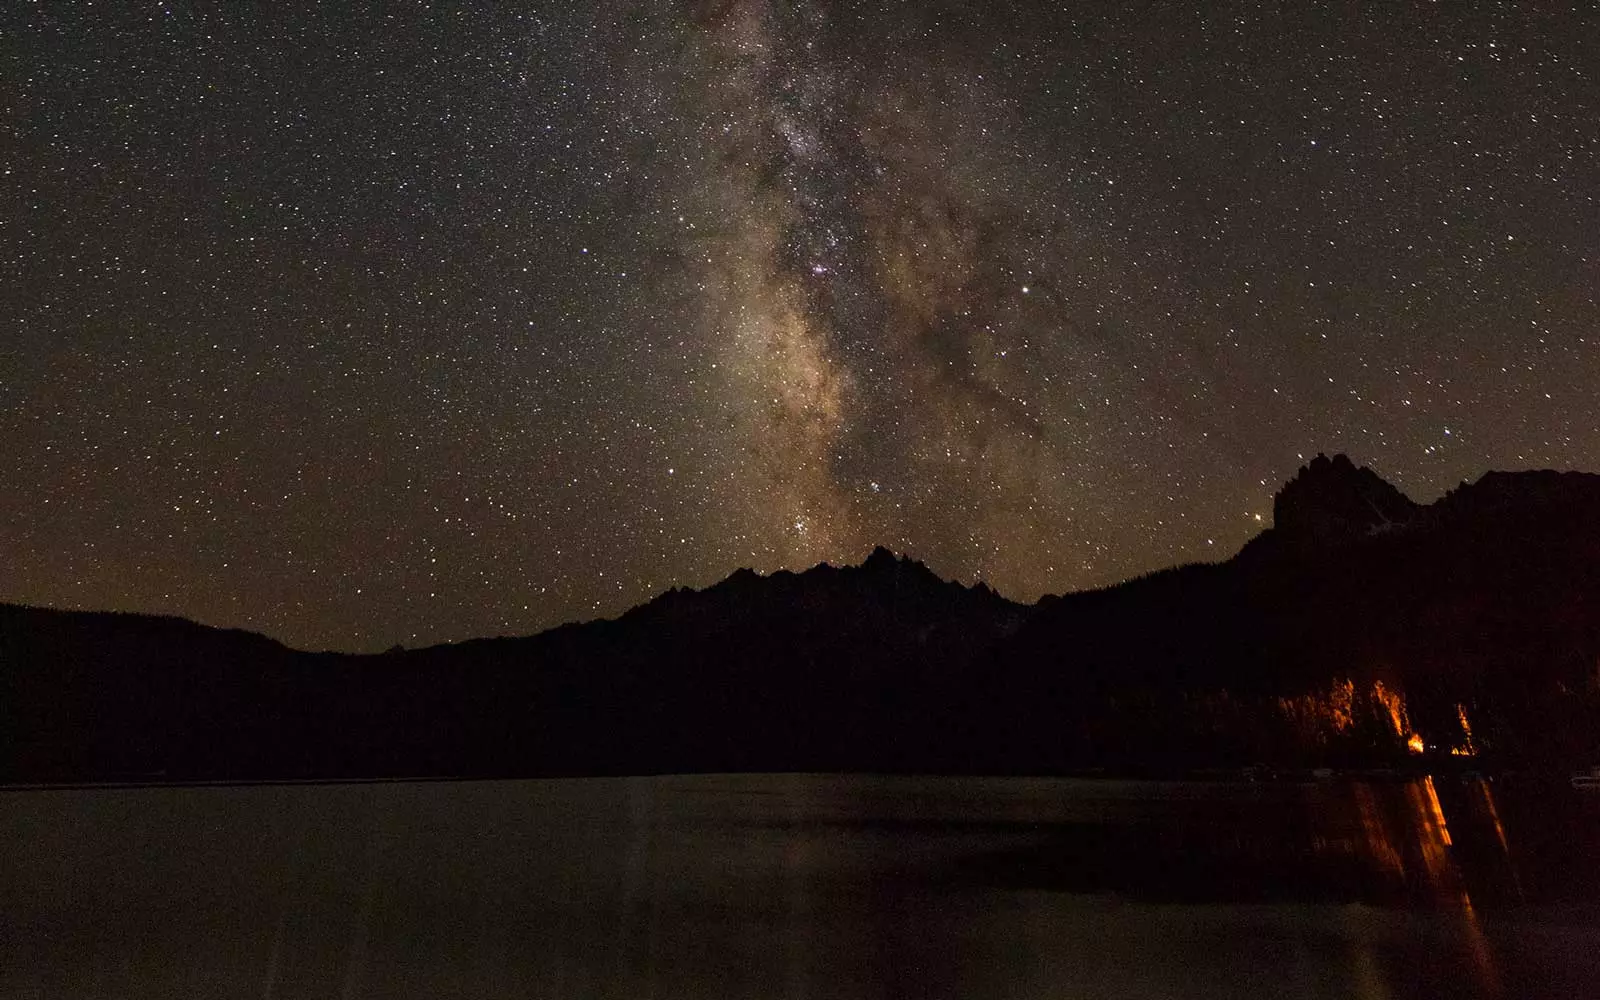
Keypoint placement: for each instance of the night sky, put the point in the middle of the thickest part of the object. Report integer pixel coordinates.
(360, 328)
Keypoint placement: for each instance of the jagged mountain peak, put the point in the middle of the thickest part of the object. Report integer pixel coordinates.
(886, 562)
(883, 569)
(883, 577)
(881, 559)
(1331, 499)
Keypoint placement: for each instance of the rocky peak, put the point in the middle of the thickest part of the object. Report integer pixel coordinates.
(1332, 499)
(881, 560)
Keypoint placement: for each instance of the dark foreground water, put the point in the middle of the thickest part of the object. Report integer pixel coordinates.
(802, 886)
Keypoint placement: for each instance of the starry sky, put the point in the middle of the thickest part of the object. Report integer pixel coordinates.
(410, 322)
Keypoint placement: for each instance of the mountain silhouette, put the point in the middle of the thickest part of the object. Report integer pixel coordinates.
(1361, 629)
(1331, 500)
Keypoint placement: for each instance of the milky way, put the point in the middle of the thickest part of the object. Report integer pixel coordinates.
(868, 297)
(361, 327)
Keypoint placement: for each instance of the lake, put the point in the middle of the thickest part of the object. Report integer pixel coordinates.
(803, 886)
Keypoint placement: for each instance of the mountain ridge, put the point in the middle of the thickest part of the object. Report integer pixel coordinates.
(1362, 624)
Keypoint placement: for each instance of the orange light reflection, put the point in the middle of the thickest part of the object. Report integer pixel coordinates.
(1434, 833)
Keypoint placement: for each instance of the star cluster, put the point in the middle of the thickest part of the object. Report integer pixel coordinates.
(429, 321)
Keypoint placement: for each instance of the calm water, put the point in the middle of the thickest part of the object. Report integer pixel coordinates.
(802, 886)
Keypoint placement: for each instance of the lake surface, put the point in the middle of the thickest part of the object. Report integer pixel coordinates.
(803, 886)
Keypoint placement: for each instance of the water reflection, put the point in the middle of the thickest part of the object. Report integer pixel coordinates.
(804, 886)
(1383, 843)
(1414, 856)
(1405, 838)
(1443, 877)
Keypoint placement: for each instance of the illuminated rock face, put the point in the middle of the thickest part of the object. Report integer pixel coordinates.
(1467, 747)
(1374, 715)
(1345, 712)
